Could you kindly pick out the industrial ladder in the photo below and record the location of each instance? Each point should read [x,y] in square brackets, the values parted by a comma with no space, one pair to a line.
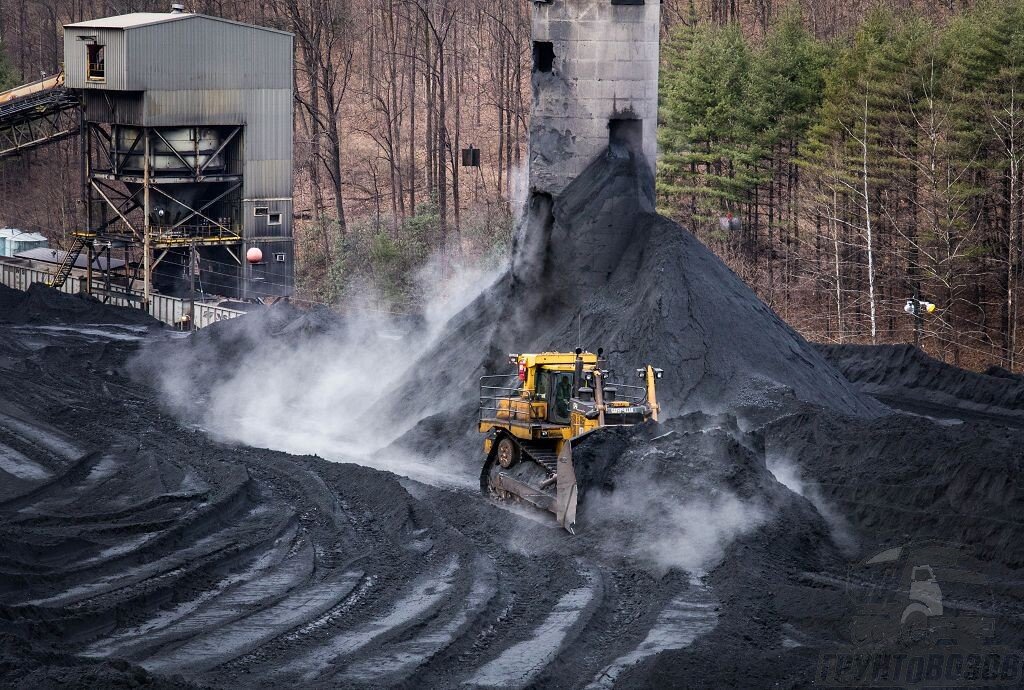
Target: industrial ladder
[64,270]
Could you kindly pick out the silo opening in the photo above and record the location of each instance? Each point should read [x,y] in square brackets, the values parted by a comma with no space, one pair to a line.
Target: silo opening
[543,56]
[625,137]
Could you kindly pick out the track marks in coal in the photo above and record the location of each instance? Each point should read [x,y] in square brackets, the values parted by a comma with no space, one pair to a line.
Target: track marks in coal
[517,665]
[686,617]
[400,659]
[426,593]
[207,651]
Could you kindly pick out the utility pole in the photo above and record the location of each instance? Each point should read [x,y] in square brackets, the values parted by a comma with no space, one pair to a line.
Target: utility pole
[88,268]
[146,249]
[192,280]
[918,321]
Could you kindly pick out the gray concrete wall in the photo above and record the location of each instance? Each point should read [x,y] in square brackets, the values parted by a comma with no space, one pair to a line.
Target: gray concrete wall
[605,67]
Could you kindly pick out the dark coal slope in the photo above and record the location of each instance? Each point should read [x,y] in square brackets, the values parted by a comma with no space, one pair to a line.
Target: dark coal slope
[137,550]
[43,305]
[675,484]
[602,264]
[903,373]
[899,475]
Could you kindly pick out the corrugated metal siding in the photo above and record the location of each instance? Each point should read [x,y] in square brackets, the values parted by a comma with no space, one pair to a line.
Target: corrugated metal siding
[122,108]
[267,179]
[270,278]
[269,114]
[255,227]
[115,58]
[200,53]
[207,107]
[266,113]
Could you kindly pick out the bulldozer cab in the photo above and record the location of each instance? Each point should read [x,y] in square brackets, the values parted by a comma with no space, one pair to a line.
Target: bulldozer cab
[555,387]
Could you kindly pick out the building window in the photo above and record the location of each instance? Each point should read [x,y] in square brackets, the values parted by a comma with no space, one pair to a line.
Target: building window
[543,56]
[274,219]
[280,257]
[96,69]
[261,211]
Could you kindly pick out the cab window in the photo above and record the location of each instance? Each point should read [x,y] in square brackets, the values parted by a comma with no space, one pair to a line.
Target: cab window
[560,384]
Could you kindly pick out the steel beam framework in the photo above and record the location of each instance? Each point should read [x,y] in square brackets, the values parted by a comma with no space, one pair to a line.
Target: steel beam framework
[38,119]
[119,197]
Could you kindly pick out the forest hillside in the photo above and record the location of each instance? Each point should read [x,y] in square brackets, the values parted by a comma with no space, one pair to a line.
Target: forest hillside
[842,158]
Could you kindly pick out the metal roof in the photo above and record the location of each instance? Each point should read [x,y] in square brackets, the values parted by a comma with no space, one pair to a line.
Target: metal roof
[21,235]
[129,21]
[138,19]
[56,256]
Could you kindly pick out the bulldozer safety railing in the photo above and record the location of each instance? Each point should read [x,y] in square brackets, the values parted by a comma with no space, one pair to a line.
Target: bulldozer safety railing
[170,310]
[635,395]
[494,388]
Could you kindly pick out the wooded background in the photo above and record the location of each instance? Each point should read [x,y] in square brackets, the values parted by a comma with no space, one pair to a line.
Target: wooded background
[842,157]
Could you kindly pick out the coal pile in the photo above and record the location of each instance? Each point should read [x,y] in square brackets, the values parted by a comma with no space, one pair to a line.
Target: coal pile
[678,494]
[909,378]
[599,268]
[42,305]
[154,532]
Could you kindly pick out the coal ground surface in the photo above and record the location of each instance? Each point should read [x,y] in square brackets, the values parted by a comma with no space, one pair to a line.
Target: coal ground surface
[724,547]
[138,552]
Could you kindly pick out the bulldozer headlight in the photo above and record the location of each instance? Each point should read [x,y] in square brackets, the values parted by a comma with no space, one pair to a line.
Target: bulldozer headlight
[658,373]
[513,358]
[640,373]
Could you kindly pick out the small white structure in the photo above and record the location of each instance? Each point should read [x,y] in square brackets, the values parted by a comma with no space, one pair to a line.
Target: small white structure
[14,241]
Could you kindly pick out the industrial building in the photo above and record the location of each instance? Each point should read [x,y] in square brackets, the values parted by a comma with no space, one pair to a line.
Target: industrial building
[186,156]
[187,122]
[595,84]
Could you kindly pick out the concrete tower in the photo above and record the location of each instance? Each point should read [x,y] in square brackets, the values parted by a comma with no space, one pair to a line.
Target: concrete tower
[595,84]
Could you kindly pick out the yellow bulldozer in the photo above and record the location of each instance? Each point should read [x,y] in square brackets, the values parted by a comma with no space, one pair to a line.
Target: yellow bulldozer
[533,417]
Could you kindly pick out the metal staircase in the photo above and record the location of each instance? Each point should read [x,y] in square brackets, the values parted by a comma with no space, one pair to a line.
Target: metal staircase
[64,270]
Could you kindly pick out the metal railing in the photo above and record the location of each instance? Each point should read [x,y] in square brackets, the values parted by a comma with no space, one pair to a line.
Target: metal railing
[170,310]
[494,388]
[184,234]
[634,395]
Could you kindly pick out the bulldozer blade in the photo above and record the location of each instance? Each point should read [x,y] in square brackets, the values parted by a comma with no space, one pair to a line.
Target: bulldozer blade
[566,490]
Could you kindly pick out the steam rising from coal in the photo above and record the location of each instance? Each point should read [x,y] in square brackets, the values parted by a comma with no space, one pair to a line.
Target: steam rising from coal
[789,475]
[689,532]
[306,382]
[595,266]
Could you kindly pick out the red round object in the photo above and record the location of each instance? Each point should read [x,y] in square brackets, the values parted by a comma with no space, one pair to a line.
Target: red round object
[254,255]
